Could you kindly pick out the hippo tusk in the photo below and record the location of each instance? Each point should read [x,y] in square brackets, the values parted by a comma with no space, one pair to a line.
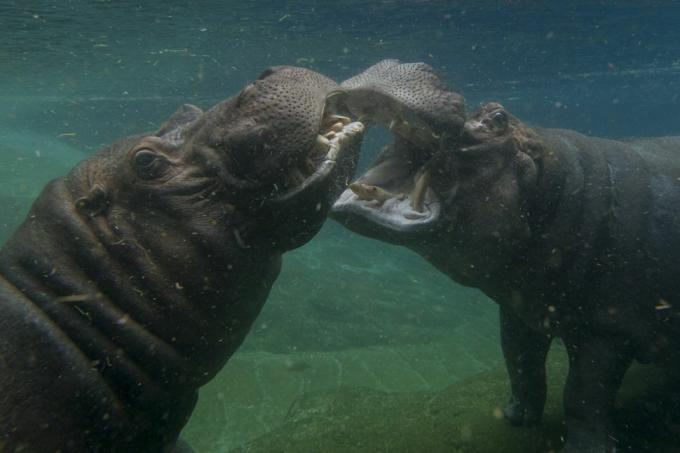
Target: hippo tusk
[322,145]
[337,127]
[333,119]
[418,194]
[296,177]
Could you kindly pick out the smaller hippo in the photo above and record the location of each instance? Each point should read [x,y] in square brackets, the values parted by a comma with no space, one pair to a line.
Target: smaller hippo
[574,237]
[135,277]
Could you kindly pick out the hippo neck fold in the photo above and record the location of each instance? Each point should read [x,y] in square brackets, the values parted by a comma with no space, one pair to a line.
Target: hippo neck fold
[570,210]
[121,306]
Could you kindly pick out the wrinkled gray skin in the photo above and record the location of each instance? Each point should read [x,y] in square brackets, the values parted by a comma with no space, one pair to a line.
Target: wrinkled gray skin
[574,237]
[135,277]
[409,98]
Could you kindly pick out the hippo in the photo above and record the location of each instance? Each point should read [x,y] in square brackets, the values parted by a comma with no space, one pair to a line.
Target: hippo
[574,237]
[134,278]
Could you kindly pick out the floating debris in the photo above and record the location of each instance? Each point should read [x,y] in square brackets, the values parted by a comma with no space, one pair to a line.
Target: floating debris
[662,304]
[74,298]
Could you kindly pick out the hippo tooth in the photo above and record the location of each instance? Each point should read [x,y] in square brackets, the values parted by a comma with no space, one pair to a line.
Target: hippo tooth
[342,138]
[322,144]
[400,127]
[329,135]
[296,177]
[418,194]
[332,119]
[337,127]
[309,166]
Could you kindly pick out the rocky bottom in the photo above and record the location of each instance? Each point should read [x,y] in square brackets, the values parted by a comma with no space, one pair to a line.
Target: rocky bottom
[463,417]
[378,352]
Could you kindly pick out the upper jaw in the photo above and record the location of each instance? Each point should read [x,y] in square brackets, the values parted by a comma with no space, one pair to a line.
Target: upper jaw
[297,214]
[409,98]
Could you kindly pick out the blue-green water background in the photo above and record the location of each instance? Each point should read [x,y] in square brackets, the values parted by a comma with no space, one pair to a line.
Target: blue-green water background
[75,75]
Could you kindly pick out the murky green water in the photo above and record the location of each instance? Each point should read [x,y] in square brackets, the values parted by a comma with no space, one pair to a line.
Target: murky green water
[346,313]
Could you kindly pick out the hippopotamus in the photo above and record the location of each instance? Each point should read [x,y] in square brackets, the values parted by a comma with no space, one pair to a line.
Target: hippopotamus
[135,277]
[574,237]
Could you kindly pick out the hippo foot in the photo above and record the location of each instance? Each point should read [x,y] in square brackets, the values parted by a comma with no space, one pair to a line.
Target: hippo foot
[518,413]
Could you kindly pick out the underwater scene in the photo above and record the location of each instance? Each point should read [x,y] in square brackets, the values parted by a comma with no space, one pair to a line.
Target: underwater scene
[382,331]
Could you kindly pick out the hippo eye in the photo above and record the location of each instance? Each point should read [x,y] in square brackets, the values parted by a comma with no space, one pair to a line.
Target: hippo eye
[148,163]
[144,158]
[499,120]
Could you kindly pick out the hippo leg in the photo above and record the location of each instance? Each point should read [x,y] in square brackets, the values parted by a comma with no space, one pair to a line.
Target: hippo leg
[525,351]
[596,368]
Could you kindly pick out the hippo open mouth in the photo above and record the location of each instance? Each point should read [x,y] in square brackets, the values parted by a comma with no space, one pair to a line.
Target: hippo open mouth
[281,150]
[394,193]
[329,150]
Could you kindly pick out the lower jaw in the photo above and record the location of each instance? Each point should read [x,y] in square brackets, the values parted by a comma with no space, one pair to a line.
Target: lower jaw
[393,220]
[392,197]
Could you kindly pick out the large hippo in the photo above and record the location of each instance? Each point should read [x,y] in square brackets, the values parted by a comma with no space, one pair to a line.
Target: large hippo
[134,278]
[574,237]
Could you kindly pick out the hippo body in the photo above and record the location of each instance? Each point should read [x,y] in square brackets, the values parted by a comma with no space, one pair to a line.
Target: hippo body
[574,237]
[596,270]
[134,278]
[602,226]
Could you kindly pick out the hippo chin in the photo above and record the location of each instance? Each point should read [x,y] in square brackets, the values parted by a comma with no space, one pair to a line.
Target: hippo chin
[134,278]
[574,237]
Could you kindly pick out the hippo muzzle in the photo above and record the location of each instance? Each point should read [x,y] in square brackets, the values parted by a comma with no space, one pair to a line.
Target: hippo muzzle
[394,197]
[283,147]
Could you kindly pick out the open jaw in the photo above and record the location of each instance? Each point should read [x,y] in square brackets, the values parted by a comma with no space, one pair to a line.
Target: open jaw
[394,194]
[331,150]
[300,208]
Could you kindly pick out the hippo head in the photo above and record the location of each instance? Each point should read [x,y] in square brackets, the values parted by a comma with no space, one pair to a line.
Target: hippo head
[485,184]
[255,169]
[174,238]
[462,191]
[393,198]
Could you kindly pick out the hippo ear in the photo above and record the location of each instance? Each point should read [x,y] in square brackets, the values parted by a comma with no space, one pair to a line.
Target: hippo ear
[184,115]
